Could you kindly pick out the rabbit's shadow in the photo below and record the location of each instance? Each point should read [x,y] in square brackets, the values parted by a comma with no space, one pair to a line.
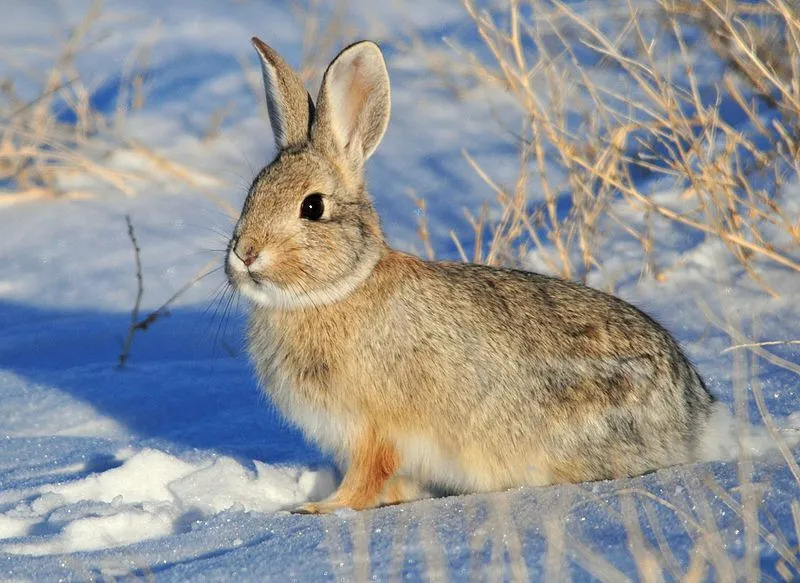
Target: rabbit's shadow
[186,386]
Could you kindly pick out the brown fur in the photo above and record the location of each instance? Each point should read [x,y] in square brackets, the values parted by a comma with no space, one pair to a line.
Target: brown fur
[456,376]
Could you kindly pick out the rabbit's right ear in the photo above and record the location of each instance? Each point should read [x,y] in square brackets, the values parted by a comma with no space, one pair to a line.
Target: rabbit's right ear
[354,103]
[291,110]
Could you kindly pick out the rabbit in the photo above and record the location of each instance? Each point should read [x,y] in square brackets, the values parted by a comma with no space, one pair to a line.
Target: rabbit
[421,376]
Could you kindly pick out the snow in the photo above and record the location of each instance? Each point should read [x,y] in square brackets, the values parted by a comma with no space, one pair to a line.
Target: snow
[178,467]
[147,496]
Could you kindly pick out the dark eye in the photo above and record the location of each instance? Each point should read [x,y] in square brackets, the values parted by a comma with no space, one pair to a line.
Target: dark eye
[313,207]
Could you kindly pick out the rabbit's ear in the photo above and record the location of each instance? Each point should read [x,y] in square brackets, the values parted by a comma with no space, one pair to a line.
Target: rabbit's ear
[291,110]
[353,105]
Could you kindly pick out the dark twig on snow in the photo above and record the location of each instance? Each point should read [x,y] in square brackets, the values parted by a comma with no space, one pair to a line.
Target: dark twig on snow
[126,346]
[163,309]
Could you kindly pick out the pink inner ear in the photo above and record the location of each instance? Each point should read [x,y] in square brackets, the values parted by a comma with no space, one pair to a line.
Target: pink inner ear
[356,106]
[357,93]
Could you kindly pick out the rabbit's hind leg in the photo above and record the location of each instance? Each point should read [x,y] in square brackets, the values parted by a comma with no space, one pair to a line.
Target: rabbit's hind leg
[400,489]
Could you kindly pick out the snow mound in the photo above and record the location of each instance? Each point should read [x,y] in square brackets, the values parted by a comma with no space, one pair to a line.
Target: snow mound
[724,439]
[150,495]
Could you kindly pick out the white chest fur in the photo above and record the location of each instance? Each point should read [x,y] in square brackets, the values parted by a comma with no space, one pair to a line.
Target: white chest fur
[333,432]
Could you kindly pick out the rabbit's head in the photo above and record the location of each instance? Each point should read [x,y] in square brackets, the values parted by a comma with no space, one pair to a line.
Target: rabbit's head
[308,233]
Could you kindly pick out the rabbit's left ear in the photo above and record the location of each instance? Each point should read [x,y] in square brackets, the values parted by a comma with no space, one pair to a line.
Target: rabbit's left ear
[291,110]
[353,105]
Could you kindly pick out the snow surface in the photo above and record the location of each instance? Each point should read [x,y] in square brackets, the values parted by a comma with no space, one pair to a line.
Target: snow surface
[177,467]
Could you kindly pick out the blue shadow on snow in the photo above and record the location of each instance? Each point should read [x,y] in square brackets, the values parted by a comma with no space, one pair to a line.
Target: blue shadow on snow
[187,386]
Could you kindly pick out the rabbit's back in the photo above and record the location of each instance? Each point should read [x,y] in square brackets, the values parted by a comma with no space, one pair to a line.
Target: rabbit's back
[486,378]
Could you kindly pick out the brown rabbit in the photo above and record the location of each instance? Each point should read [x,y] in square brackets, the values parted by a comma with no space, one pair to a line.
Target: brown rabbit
[415,373]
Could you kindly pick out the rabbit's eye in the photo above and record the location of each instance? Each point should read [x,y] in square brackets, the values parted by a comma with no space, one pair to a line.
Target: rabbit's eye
[313,207]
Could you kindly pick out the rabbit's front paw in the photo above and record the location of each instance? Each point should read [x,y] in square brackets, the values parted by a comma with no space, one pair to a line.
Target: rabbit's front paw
[373,464]
[322,507]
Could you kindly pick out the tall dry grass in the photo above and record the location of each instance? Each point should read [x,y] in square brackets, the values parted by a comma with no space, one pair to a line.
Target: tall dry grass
[48,140]
[36,148]
[609,105]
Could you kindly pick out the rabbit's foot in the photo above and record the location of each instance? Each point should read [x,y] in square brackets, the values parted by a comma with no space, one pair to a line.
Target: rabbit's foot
[399,489]
[321,507]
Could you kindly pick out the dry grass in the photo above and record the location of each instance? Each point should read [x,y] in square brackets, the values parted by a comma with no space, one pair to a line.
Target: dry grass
[36,149]
[599,112]
[47,141]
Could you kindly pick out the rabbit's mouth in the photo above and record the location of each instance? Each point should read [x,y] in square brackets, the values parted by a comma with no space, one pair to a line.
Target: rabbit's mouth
[239,273]
[270,292]
[252,283]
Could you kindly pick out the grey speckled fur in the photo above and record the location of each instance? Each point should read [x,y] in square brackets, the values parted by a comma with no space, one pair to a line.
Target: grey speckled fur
[418,374]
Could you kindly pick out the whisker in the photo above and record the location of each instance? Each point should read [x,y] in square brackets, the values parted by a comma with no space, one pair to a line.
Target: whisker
[233,303]
[223,307]
[213,229]
[216,302]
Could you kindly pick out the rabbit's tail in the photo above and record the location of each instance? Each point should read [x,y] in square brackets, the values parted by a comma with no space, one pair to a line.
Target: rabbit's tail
[725,437]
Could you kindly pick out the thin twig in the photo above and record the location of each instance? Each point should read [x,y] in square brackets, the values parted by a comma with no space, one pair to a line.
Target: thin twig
[126,345]
[163,309]
[754,344]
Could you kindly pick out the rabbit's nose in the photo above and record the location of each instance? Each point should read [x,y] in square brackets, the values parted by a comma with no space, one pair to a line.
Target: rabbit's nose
[250,257]
[246,251]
